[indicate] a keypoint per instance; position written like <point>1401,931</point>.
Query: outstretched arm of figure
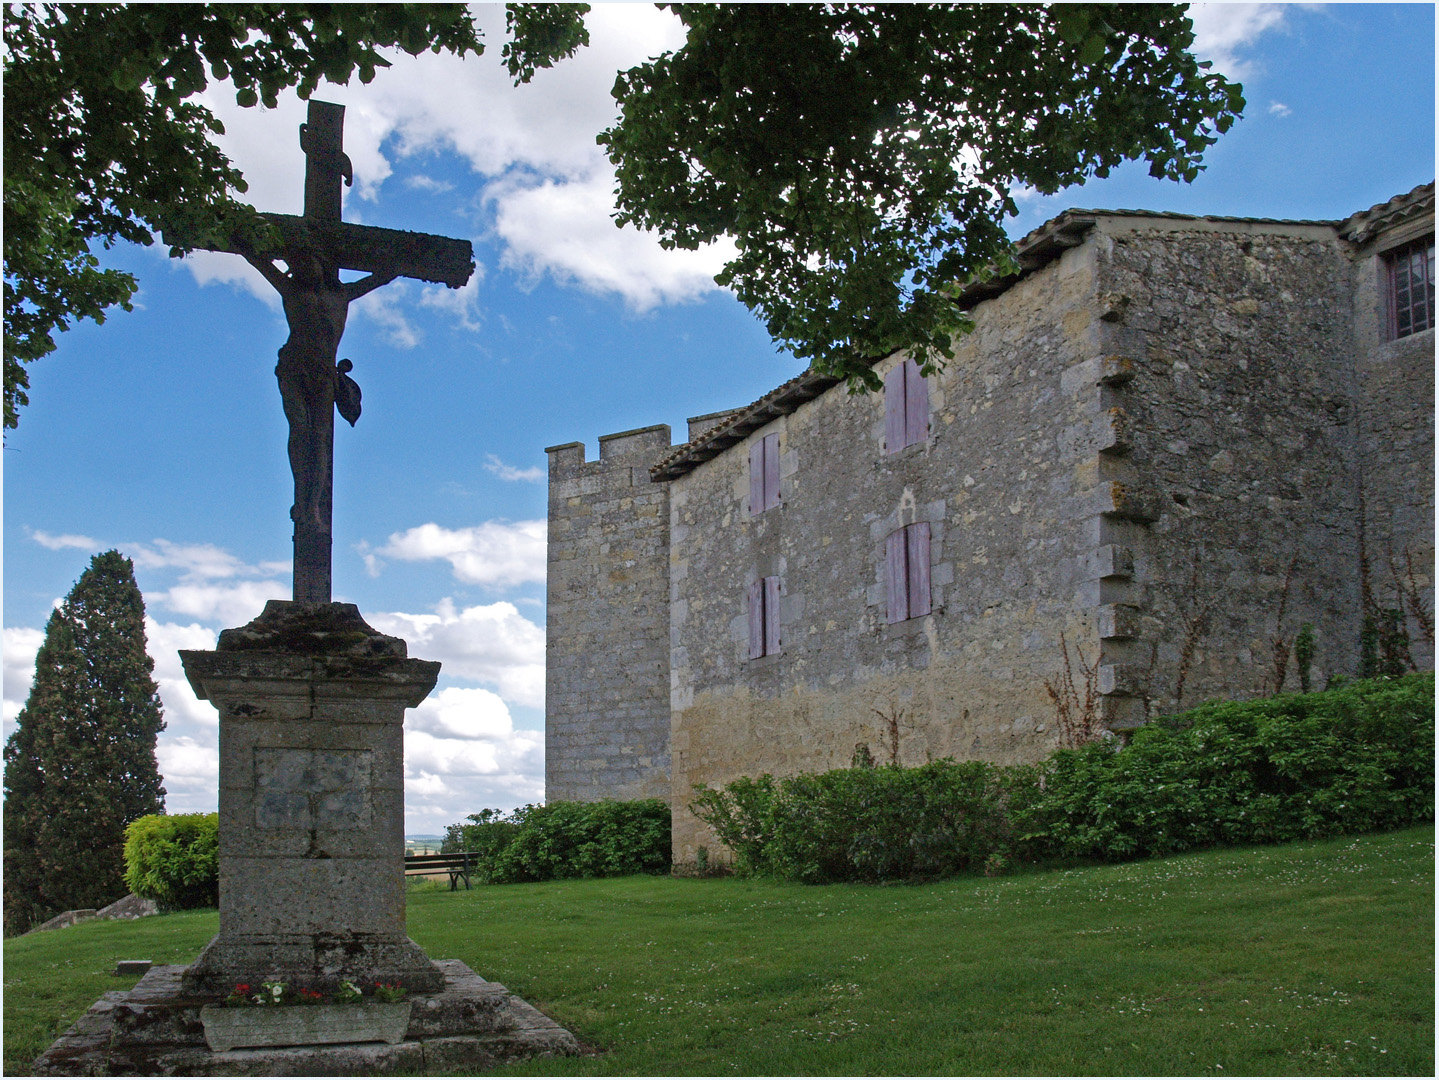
<point>273,274</point>
<point>356,289</point>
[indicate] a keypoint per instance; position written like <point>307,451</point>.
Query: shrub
<point>174,860</point>
<point>567,839</point>
<point>1292,767</point>
<point>1297,766</point>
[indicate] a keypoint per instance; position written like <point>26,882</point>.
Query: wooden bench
<point>459,865</point>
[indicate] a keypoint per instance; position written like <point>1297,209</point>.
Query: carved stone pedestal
<point>312,890</point>
<point>312,886</point>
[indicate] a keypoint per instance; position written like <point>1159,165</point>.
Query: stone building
<point>1168,444</point>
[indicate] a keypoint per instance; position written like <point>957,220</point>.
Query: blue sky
<point>160,433</point>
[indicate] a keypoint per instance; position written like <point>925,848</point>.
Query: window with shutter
<point>764,474</point>
<point>906,407</point>
<point>906,556</point>
<point>763,617</point>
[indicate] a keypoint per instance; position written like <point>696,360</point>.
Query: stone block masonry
<point>1168,444</point>
<point>607,627</point>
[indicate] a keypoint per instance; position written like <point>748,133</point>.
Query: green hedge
<point>1292,767</point>
<point>566,840</point>
<point>173,859</point>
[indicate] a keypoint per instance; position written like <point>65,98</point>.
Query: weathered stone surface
<point>229,1028</point>
<point>156,1030</point>
<point>607,637</point>
<point>311,804</point>
<point>65,918</point>
<point>129,907</point>
<point>1152,444</point>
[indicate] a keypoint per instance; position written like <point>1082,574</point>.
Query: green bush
<point>1298,766</point>
<point>174,860</point>
<point>567,840</point>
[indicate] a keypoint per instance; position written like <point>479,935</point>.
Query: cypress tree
<point>81,764</point>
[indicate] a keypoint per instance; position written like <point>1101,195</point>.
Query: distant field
<point>1306,959</point>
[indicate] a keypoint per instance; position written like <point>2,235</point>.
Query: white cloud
<point>194,561</point>
<point>462,753</point>
<point>383,307</point>
<point>67,540</point>
<point>1223,31</point>
<point>164,642</point>
<point>489,643</point>
<point>551,184</point>
<point>497,553</point>
<point>533,475</point>
<point>563,228</point>
<point>191,771</point>
<point>21,643</point>
<point>229,605</point>
<point>1279,109</point>
<point>462,304</point>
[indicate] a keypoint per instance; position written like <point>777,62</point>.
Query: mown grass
<point>1306,959</point>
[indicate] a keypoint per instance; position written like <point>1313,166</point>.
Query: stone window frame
<point>1405,313</point>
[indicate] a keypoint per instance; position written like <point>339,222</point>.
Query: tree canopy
<point>865,156</point>
<point>80,765</point>
<point>102,141</point>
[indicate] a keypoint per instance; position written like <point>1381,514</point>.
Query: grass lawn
<point>1314,958</point>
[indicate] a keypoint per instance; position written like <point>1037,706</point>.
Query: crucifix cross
<point>314,248</point>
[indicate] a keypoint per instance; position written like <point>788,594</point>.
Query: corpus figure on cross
<point>316,304</point>
<point>314,248</point>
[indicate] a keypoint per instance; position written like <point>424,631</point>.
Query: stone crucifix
<point>314,249</point>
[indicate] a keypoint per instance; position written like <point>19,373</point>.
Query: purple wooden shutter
<point>756,619</point>
<point>894,411</point>
<point>916,405</point>
<point>895,576</point>
<point>917,556</point>
<point>771,471</point>
<point>756,477</point>
<point>771,616</point>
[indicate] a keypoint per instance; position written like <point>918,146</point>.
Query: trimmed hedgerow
<point>173,859</point>
<point>567,840</point>
<point>1292,767</point>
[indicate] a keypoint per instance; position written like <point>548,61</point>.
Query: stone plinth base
<point>156,1030</point>
<point>312,705</point>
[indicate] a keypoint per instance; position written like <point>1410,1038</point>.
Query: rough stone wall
<point>1394,405</point>
<point>607,718</point>
<point>1009,480</point>
<point>1238,400</point>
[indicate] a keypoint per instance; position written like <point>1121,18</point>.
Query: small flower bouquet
<point>278,992</point>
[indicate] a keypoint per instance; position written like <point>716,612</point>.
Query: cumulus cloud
<point>1223,31</point>
<point>463,753</point>
<point>1279,109</point>
<point>230,605</point>
<point>163,642</point>
<point>562,228</point>
<point>384,308</point>
<point>488,643</point>
<point>462,304</point>
<point>191,769</point>
<point>500,554</point>
<point>21,644</point>
<point>533,475</point>
<point>550,188</point>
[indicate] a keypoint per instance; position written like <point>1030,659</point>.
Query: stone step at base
<point>153,1030</point>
